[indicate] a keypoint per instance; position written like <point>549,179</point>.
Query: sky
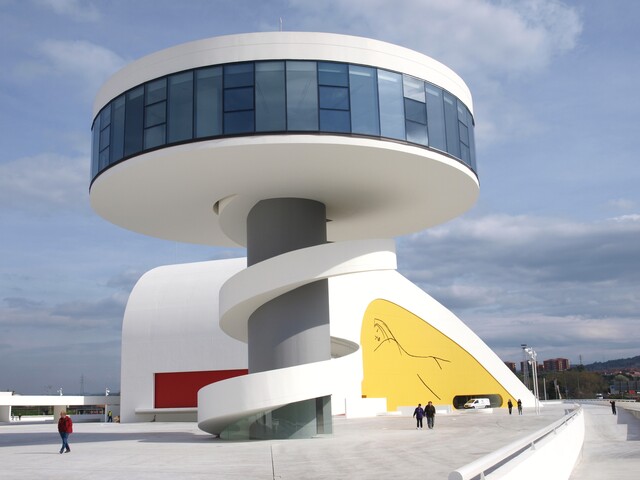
<point>549,255</point>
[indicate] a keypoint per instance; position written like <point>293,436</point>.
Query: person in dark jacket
<point>430,412</point>
<point>418,413</point>
<point>613,406</point>
<point>65,427</point>
<point>510,405</point>
<point>519,407</point>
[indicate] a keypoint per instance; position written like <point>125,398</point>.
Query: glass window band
<point>275,96</point>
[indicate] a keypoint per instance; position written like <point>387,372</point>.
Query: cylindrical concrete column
<point>280,225</point>
<point>5,413</point>
<point>292,329</point>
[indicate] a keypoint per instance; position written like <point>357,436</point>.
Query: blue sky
<point>549,256</point>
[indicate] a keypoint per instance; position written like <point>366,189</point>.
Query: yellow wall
<point>408,361</point>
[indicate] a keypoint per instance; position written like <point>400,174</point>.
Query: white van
<point>478,403</point>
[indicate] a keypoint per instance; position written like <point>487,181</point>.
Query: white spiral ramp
<point>226,402</point>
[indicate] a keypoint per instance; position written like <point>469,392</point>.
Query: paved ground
<point>382,447</point>
<point>611,445</point>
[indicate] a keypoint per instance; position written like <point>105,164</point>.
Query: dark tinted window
<point>238,75</point>
<point>238,99</point>
<point>451,125</point>
<point>180,108</point>
<point>334,121</point>
<point>208,102</point>
<point>117,129</point>
<point>154,136</point>
<point>415,111</point>
<point>95,145</point>
<point>270,97</point>
<point>416,133</point>
<point>363,93</point>
<point>133,121</point>
<point>156,91</point>
<point>302,96</point>
<point>391,105</point>
<point>435,116</point>
<point>335,98</point>
<point>276,96</point>
<point>155,114</point>
<point>335,74</point>
<point>238,122</point>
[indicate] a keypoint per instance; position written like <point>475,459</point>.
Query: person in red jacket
<point>65,427</point>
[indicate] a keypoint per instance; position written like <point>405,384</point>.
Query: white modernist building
<point>313,151</point>
<point>57,403</point>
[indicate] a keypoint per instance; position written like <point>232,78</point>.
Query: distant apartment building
<point>511,366</point>
<point>540,366</point>
<point>557,364</point>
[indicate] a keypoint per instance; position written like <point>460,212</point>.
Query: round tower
<point>300,147</point>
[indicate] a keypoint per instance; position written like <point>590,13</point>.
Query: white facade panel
<point>171,325</point>
<point>278,46</point>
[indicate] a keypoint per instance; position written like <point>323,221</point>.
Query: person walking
<point>613,406</point>
<point>519,407</point>
<point>65,427</point>
<point>418,413</point>
<point>510,406</point>
<point>430,412</point>
<point>110,416</point>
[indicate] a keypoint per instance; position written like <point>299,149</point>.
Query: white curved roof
<point>282,46</point>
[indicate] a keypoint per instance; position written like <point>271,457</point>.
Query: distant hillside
<point>620,364</point>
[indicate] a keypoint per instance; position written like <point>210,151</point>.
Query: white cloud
<point>83,59</point>
<point>81,10</point>
<point>486,42</point>
<point>557,336</point>
<point>576,283</point>
<point>536,30</point>
<point>26,314</point>
<point>621,204</point>
<point>83,65</point>
<point>44,183</point>
<point>633,218</point>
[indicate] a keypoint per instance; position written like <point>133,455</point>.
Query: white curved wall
<point>350,295</point>
<point>171,325</point>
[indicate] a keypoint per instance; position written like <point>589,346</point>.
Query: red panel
<point>180,389</point>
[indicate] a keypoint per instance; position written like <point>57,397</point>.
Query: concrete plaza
<point>382,447</point>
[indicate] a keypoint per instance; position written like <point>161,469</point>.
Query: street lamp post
<point>106,394</point>
<point>534,363</point>
<point>525,370</point>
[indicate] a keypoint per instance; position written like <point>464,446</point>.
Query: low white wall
<point>365,407</point>
<point>632,407</point>
<point>440,410</point>
<point>551,452</point>
<point>555,457</point>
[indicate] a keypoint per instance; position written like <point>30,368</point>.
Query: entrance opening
<point>494,398</point>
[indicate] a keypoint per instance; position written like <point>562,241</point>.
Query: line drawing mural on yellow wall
<point>385,336</point>
<point>408,361</point>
